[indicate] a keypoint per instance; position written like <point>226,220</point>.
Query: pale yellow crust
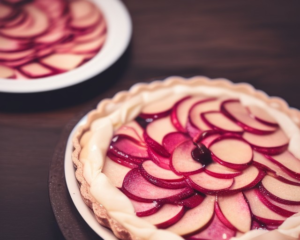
<point>101,214</point>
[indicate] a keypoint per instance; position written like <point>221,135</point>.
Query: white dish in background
<point>74,191</point>
<point>119,33</point>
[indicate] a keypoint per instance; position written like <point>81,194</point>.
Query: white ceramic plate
<point>119,33</point>
<point>73,188</point>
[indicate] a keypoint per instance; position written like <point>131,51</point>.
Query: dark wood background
<point>246,41</point>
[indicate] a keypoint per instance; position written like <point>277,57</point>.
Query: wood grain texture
<point>245,41</point>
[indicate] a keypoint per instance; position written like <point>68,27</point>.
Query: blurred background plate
<point>119,33</point>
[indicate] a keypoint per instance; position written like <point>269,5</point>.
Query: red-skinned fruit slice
<point>237,112</point>
<point>271,144</point>
<point>115,172</point>
<point>86,22</point>
<point>5,11</point>
<point>11,45</point>
<point>39,25</point>
<point>218,171</point>
<point>128,148</point>
<point>222,218</point>
<point>89,47</point>
<point>136,187</point>
<point>132,129</point>
<point>275,206</point>
<point>208,184</point>
<point>155,133</point>
<point>216,230</point>
<point>81,9</point>
<point>145,209</point>
<point>182,161</point>
<point>208,104</point>
<point>159,160</point>
<point>180,111</point>
<point>248,179</point>
<point>63,61</point>
<point>125,163</point>
<point>280,191</point>
<point>231,151</point>
<point>172,140</point>
<point>159,173</point>
<point>166,216</point>
<point>19,55</point>
<point>236,210</point>
<point>261,162</point>
<point>157,109</point>
<point>207,137</point>
<point>288,162</point>
<point>191,202</point>
<point>260,211</point>
<point>36,70</point>
<point>161,177</point>
<point>192,130</point>
<point>97,31</point>
<point>196,218</point>
<point>217,120</point>
<point>6,72</point>
<point>262,116</point>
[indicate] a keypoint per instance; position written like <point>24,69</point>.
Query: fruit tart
<point>192,159</point>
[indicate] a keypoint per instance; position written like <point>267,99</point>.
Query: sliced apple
<point>168,215</point>
<point>133,130</point>
<point>288,162</point>
<point>192,130</point>
<point>280,191</point>
<point>155,133</point>
<point>161,161</point>
<point>128,148</point>
<point>180,111</point>
<point>222,218</point>
<point>260,211</point>
<point>196,218</point>
<point>217,120</point>
<point>236,211</point>
<point>237,112</point>
<point>115,172</point>
<point>261,115</point>
<point>157,172</point>
<point>143,209</point>
<point>208,184</point>
<point>216,230</point>
<point>219,171</point>
<point>35,70</point>
<point>273,169</point>
<point>207,137</point>
<point>38,25</point>
<point>63,61</point>
<point>273,205</point>
<point>172,140</point>
<point>208,104</point>
<point>232,152</point>
<point>182,161</point>
<point>156,109</point>
<point>271,144</point>
<point>136,187</point>
<point>192,201</point>
<point>248,179</point>
<point>6,72</point>
<point>160,176</point>
<point>122,161</point>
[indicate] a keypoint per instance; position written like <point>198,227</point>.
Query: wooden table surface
<point>246,41</point>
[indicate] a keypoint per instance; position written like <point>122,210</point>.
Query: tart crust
<point>104,108</point>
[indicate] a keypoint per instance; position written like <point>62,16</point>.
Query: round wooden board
<point>68,218</point>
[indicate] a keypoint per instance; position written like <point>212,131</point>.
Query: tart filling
<point>201,156</point>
